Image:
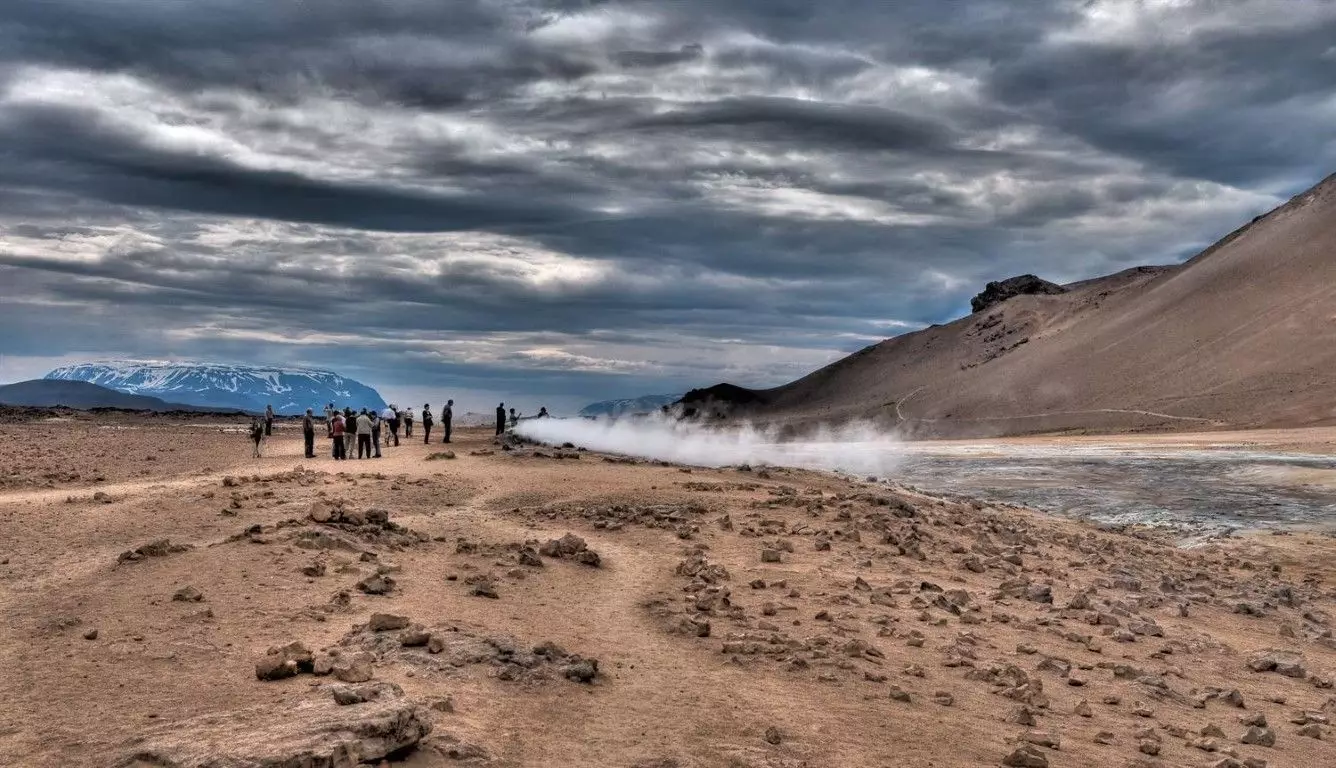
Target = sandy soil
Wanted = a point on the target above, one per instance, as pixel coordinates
(831, 604)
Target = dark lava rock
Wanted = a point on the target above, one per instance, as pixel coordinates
(998, 292)
(582, 670)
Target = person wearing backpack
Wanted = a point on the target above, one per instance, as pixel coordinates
(426, 423)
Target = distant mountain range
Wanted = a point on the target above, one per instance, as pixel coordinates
(250, 388)
(628, 407)
(50, 393)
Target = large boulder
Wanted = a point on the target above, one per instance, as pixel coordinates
(318, 732)
(1000, 291)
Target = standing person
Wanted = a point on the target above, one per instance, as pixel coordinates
(308, 433)
(390, 416)
(514, 418)
(408, 422)
(349, 431)
(447, 417)
(336, 431)
(501, 418)
(363, 435)
(268, 420)
(426, 423)
(376, 427)
(329, 419)
(256, 436)
(542, 412)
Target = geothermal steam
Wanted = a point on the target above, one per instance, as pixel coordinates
(858, 448)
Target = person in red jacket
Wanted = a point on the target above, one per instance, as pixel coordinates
(338, 429)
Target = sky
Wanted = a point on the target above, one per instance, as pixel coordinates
(560, 201)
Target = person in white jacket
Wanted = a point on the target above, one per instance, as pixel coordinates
(390, 416)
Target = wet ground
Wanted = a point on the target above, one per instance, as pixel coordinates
(1191, 489)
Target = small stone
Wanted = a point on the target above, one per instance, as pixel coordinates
(1083, 709)
(377, 584)
(1212, 730)
(435, 644)
(90, 634)
(1149, 747)
(1262, 737)
(773, 736)
(354, 668)
(386, 622)
(484, 588)
(582, 671)
(1025, 756)
(414, 638)
(1106, 737)
(770, 556)
(1312, 731)
(899, 694)
(943, 698)
(188, 595)
(1050, 740)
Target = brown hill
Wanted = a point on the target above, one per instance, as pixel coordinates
(1242, 335)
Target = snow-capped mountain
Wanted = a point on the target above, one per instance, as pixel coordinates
(628, 407)
(290, 390)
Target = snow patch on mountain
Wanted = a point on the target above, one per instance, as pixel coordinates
(289, 390)
(628, 406)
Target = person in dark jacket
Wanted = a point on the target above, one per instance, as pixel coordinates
(426, 423)
(268, 421)
(308, 433)
(408, 422)
(501, 418)
(256, 436)
(447, 416)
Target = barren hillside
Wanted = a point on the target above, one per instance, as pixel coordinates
(1240, 336)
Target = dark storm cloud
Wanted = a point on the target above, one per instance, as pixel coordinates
(578, 196)
(804, 122)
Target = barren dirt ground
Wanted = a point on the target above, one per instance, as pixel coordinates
(737, 618)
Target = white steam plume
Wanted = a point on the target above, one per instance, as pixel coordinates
(855, 448)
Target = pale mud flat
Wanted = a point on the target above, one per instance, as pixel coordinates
(776, 618)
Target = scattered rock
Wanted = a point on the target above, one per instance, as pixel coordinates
(90, 634)
(354, 667)
(1262, 737)
(1026, 756)
(386, 622)
(582, 670)
(377, 584)
(347, 695)
(285, 661)
(188, 595)
(773, 736)
(159, 548)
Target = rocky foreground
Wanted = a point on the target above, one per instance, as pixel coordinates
(535, 607)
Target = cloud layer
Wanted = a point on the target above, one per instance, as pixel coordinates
(572, 200)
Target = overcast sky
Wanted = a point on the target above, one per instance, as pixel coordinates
(567, 200)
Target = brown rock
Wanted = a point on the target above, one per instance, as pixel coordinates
(386, 622)
(1025, 756)
(354, 668)
(1262, 737)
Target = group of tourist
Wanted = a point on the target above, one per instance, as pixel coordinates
(362, 430)
(366, 428)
